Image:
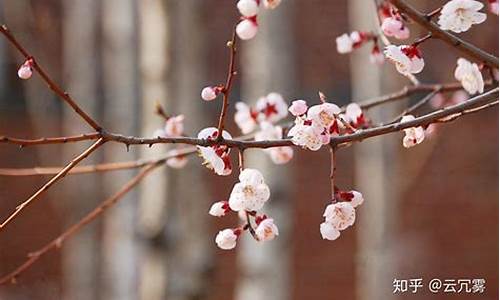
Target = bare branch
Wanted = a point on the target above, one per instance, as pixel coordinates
(51, 84)
(94, 214)
(52, 181)
(46, 141)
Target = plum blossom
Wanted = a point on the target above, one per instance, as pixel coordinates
(413, 135)
(307, 135)
(248, 8)
(408, 59)
(226, 239)
(266, 230)
(340, 214)
(26, 69)
(324, 114)
(271, 108)
(174, 126)
(245, 117)
(354, 115)
(348, 42)
(247, 28)
(469, 76)
(219, 209)
(250, 193)
(215, 157)
(328, 231)
(271, 4)
(279, 155)
(298, 108)
(459, 15)
(209, 93)
(357, 199)
(395, 27)
(344, 44)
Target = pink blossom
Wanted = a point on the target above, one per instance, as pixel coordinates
(209, 93)
(177, 162)
(219, 209)
(408, 59)
(248, 8)
(247, 28)
(245, 117)
(266, 230)
(281, 155)
(226, 239)
(328, 231)
(272, 108)
(298, 108)
(215, 157)
(413, 135)
(174, 126)
(26, 69)
(341, 215)
(271, 4)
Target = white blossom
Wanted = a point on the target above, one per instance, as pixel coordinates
(357, 199)
(328, 231)
(407, 59)
(226, 239)
(298, 108)
(25, 70)
(245, 117)
(344, 44)
(246, 29)
(215, 157)
(266, 230)
(248, 8)
(250, 193)
(272, 108)
(174, 126)
(219, 209)
(306, 134)
(341, 215)
(281, 155)
(177, 162)
(395, 27)
(459, 15)
(469, 76)
(323, 115)
(413, 135)
(209, 93)
(494, 6)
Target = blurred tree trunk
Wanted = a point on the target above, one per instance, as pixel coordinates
(374, 264)
(267, 65)
(122, 111)
(189, 240)
(81, 67)
(154, 64)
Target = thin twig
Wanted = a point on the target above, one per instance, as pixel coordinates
(452, 40)
(51, 84)
(52, 181)
(416, 106)
(333, 168)
(227, 86)
(94, 214)
(53, 140)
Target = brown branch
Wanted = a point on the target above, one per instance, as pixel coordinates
(54, 140)
(51, 84)
(94, 214)
(452, 40)
(416, 106)
(227, 86)
(52, 181)
(333, 168)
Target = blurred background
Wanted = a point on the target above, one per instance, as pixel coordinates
(430, 211)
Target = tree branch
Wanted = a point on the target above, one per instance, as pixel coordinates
(52, 181)
(452, 40)
(94, 214)
(54, 140)
(51, 84)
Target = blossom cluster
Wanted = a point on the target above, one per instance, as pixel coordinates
(315, 125)
(346, 43)
(247, 197)
(267, 111)
(340, 214)
(247, 28)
